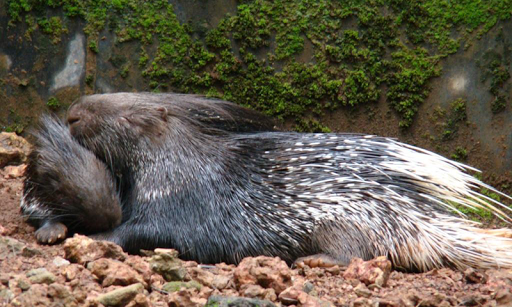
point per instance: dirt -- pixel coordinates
(83, 272)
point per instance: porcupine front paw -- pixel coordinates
(51, 233)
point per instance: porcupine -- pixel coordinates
(66, 186)
(218, 195)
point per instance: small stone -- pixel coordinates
(375, 271)
(121, 296)
(59, 261)
(58, 291)
(61, 294)
(112, 272)
(473, 299)
(24, 284)
(252, 291)
(37, 295)
(71, 271)
(308, 287)
(255, 291)
(29, 252)
(40, 276)
(81, 249)
(13, 172)
(13, 149)
(209, 279)
(228, 301)
(363, 302)
(264, 271)
(10, 247)
(174, 286)
(186, 297)
(289, 296)
(140, 265)
(503, 297)
(6, 296)
(474, 277)
(4, 279)
(166, 263)
(362, 291)
(140, 300)
(334, 270)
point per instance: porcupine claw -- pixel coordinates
(51, 232)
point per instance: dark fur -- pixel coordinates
(204, 177)
(65, 183)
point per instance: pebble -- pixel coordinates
(60, 262)
(227, 301)
(40, 276)
(167, 264)
(121, 296)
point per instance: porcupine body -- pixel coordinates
(219, 195)
(66, 186)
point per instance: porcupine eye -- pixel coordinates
(145, 121)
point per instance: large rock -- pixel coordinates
(13, 149)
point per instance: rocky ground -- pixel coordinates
(83, 272)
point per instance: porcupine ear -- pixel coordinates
(163, 113)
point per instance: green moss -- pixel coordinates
(143, 58)
(480, 214)
(290, 58)
(495, 71)
(498, 104)
(16, 128)
(500, 74)
(175, 286)
(89, 80)
(411, 70)
(53, 103)
(93, 45)
(460, 154)
(475, 214)
(17, 124)
(16, 8)
(310, 125)
(53, 27)
(454, 117)
(31, 26)
(124, 71)
(458, 110)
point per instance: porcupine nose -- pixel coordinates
(73, 119)
(73, 115)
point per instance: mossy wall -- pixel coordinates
(389, 67)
